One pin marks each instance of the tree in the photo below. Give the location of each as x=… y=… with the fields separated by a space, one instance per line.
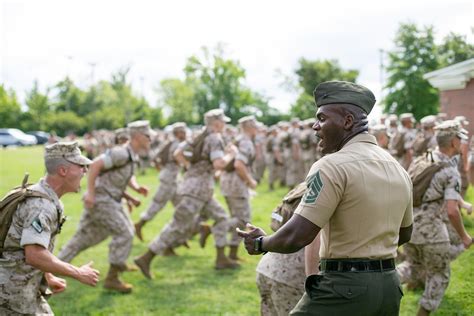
x=454 y=49
x=178 y=97
x=414 y=55
x=218 y=83
x=10 y=109
x=39 y=108
x=310 y=73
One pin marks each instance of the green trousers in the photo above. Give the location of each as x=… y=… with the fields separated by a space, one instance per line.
x=351 y=293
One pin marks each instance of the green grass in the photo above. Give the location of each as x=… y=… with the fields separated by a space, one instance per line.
x=188 y=284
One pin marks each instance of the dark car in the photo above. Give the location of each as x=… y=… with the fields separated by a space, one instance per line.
x=41 y=137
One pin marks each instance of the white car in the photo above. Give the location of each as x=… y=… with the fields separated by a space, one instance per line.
x=15 y=137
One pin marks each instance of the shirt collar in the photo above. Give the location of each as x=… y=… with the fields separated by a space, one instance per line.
x=361 y=138
x=50 y=192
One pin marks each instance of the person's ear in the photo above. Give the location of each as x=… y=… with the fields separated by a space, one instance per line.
x=348 y=122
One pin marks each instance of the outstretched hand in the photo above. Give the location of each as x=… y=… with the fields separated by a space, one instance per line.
x=249 y=237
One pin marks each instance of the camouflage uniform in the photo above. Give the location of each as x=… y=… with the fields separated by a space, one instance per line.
x=294 y=170
x=235 y=190
x=272 y=163
x=280 y=281
x=259 y=163
x=168 y=186
x=284 y=143
x=196 y=196
x=308 y=153
x=107 y=217
x=428 y=250
x=36 y=222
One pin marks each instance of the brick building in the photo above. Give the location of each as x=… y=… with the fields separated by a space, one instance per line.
x=456 y=86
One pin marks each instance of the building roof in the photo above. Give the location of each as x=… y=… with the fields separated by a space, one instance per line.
x=452 y=77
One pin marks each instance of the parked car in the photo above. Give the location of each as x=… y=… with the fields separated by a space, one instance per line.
x=41 y=137
x=15 y=137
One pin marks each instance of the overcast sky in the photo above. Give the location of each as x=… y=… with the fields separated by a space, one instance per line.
x=47 y=40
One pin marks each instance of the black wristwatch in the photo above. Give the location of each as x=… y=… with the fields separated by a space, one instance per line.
x=257 y=245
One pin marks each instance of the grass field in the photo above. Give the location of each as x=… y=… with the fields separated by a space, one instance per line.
x=188 y=284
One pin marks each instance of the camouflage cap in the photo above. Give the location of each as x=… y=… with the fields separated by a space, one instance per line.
x=451 y=128
x=248 y=120
x=393 y=118
x=122 y=133
x=216 y=114
x=462 y=119
x=142 y=127
x=337 y=92
x=378 y=129
x=295 y=120
x=178 y=126
x=407 y=116
x=428 y=121
x=68 y=150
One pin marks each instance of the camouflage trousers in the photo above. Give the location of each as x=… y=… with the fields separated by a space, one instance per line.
x=258 y=169
x=240 y=211
x=276 y=298
x=181 y=226
x=166 y=192
x=429 y=264
x=107 y=218
x=273 y=171
x=456 y=246
x=295 y=172
x=42 y=308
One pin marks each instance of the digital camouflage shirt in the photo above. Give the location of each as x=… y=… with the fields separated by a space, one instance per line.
x=37 y=221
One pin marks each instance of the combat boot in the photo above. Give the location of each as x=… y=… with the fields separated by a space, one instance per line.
x=143 y=262
x=233 y=253
x=125 y=267
x=222 y=262
x=112 y=281
x=138 y=228
x=204 y=232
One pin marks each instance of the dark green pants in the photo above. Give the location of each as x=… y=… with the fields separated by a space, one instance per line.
x=351 y=293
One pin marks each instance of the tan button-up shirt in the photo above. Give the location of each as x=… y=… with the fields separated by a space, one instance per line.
x=360 y=196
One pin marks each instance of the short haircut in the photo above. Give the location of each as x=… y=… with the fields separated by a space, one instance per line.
x=444 y=139
x=52 y=164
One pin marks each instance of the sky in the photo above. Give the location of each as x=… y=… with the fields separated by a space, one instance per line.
x=47 y=40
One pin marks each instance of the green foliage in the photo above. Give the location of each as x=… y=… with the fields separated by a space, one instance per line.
x=178 y=97
x=310 y=74
x=10 y=109
x=313 y=72
x=454 y=49
x=66 y=122
x=414 y=55
x=217 y=82
x=39 y=108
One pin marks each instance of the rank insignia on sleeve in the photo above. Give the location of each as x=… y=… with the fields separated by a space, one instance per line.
x=37 y=225
x=315 y=185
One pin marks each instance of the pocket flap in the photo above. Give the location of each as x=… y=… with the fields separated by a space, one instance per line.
x=350 y=291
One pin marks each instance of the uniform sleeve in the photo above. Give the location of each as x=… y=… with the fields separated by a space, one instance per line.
x=39 y=223
x=325 y=189
x=114 y=157
x=216 y=147
x=245 y=152
x=407 y=219
x=453 y=186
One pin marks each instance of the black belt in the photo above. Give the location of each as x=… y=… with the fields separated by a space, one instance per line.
x=357 y=265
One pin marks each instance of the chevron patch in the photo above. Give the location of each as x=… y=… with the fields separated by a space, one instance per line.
x=315 y=185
